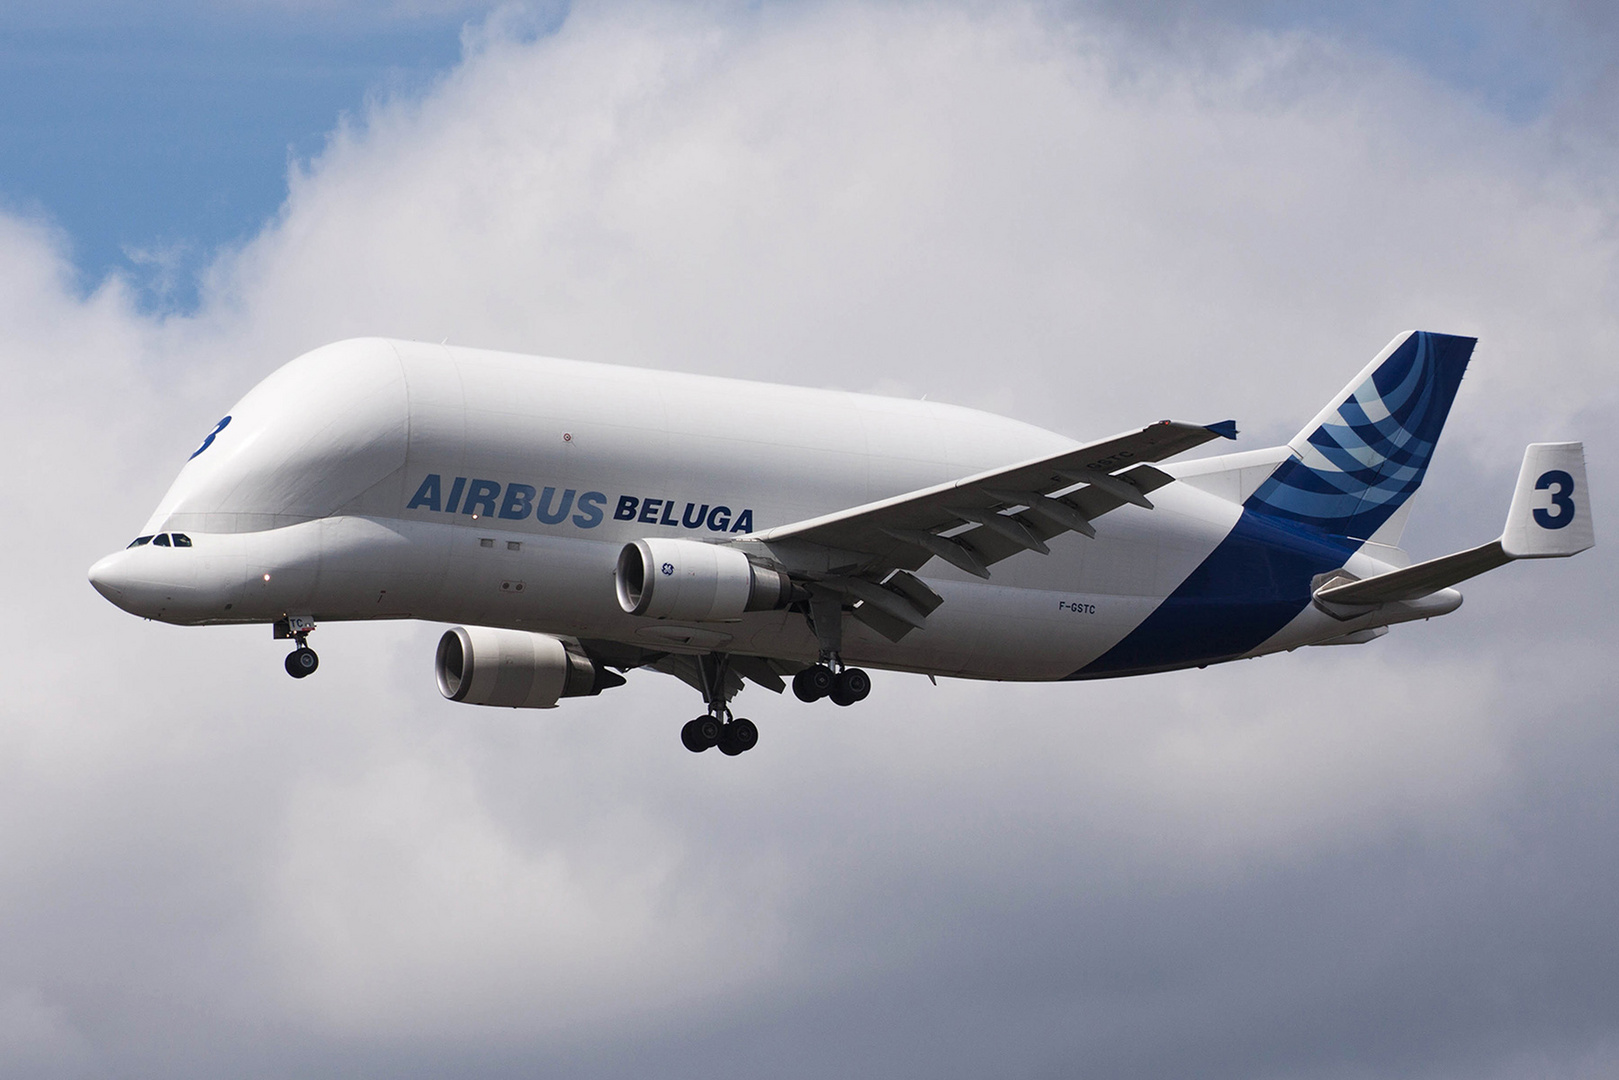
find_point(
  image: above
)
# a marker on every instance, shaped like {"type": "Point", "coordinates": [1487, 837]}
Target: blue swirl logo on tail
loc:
{"type": "Point", "coordinates": [1370, 451]}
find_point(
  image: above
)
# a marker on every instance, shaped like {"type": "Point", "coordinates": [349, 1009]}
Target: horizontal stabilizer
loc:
{"type": "Point", "coordinates": [1419, 580]}
{"type": "Point", "coordinates": [1549, 518]}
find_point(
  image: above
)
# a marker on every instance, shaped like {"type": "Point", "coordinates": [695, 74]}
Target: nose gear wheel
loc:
{"type": "Point", "coordinates": [302, 662]}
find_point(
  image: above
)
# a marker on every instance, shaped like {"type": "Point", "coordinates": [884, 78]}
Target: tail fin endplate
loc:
{"type": "Point", "coordinates": [1368, 450]}
{"type": "Point", "coordinates": [1550, 516]}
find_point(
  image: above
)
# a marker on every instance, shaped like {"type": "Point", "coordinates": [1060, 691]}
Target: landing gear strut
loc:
{"type": "Point", "coordinates": [301, 661]}
{"type": "Point", "coordinates": [829, 678]}
{"type": "Point", "coordinates": [733, 735]}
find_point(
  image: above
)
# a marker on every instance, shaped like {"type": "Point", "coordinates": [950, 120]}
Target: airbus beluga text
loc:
{"type": "Point", "coordinates": [583, 520]}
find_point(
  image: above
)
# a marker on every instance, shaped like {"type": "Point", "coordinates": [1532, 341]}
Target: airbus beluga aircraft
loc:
{"type": "Point", "coordinates": [580, 520]}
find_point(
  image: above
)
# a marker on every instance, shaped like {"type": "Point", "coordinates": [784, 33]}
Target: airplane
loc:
{"type": "Point", "coordinates": [577, 521]}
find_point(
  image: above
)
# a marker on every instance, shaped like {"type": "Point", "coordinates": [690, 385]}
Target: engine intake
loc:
{"type": "Point", "coordinates": [695, 582]}
{"type": "Point", "coordinates": [515, 669]}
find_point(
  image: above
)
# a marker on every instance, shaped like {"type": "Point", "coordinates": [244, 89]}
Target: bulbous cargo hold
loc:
{"type": "Point", "coordinates": [686, 579]}
{"type": "Point", "coordinates": [515, 669]}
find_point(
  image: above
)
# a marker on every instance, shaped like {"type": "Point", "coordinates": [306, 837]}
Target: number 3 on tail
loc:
{"type": "Point", "coordinates": [1562, 499]}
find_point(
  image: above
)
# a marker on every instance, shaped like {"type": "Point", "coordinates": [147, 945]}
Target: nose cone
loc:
{"type": "Point", "coordinates": [110, 576]}
{"type": "Point", "coordinates": [161, 582]}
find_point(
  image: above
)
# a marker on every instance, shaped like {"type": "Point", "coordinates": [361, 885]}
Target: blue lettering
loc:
{"type": "Point", "coordinates": [1561, 499]}
{"type": "Point", "coordinates": [552, 508]}
{"type": "Point", "coordinates": [590, 510]}
{"type": "Point", "coordinates": [481, 498]}
{"type": "Point", "coordinates": [519, 501]}
{"type": "Point", "coordinates": [544, 513]}
{"type": "Point", "coordinates": [427, 495]}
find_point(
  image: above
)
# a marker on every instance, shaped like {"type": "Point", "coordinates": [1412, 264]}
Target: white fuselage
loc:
{"type": "Point", "coordinates": [368, 480]}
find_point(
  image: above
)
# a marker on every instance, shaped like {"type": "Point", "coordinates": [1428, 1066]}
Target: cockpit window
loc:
{"type": "Point", "coordinates": [139, 540]}
{"type": "Point", "coordinates": [181, 539]}
{"type": "Point", "coordinates": [160, 540]}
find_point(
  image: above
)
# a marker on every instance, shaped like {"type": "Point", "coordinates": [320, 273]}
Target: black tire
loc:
{"type": "Point", "coordinates": [850, 685]}
{"type": "Point", "coordinates": [698, 735]}
{"type": "Point", "coordinates": [856, 683]}
{"type": "Point", "coordinates": [301, 663]}
{"type": "Point", "coordinates": [738, 737]}
{"type": "Point", "coordinates": [813, 683]}
{"type": "Point", "coordinates": [802, 690]}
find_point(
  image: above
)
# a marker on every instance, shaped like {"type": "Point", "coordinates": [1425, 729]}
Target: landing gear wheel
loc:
{"type": "Point", "coordinates": [738, 737]}
{"type": "Point", "coordinates": [302, 662]}
{"type": "Point", "coordinates": [699, 734]}
{"type": "Point", "coordinates": [849, 686]}
{"type": "Point", "coordinates": [813, 683]}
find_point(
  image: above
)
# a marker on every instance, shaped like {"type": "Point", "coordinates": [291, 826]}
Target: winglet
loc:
{"type": "Point", "coordinates": [1226, 429]}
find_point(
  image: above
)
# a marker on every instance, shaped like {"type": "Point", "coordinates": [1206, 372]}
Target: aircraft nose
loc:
{"type": "Point", "coordinates": [109, 578]}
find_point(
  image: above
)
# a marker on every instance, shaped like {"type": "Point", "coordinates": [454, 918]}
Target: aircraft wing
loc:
{"type": "Point", "coordinates": [977, 521]}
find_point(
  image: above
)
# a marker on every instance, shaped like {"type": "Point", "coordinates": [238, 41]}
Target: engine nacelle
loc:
{"type": "Point", "coordinates": [515, 669]}
{"type": "Point", "coordinates": [695, 582]}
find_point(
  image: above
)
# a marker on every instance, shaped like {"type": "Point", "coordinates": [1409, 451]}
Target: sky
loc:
{"type": "Point", "coordinates": [1388, 860]}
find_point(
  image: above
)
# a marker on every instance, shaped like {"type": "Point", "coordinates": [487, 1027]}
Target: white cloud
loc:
{"type": "Point", "coordinates": [990, 205]}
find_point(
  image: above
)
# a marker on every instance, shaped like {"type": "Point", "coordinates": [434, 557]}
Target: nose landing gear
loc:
{"type": "Point", "coordinates": [301, 662]}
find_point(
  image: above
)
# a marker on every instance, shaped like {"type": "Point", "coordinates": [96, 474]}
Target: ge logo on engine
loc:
{"type": "Point", "coordinates": [668, 569]}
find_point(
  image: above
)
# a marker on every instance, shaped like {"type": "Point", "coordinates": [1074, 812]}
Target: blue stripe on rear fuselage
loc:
{"type": "Point", "coordinates": [1254, 583]}
{"type": "Point", "coordinates": [1359, 466]}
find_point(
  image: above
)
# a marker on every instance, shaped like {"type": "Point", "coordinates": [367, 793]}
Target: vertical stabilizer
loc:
{"type": "Point", "coordinates": [1358, 462]}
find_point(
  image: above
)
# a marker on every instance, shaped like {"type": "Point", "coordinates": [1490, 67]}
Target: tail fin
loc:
{"type": "Point", "coordinates": [1363, 456]}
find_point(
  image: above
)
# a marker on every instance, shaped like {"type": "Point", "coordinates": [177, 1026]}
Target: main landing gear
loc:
{"type": "Point", "coordinates": [830, 679]}
{"type": "Point", "coordinates": [733, 735]}
{"type": "Point", "coordinates": [736, 735]}
{"type": "Point", "coordinates": [301, 661]}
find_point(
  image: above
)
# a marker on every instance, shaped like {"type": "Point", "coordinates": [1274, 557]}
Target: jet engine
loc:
{"type": "Point", "coordinates": [515, 668]}
{"type": "Point", "coordinates": [696, 582]}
